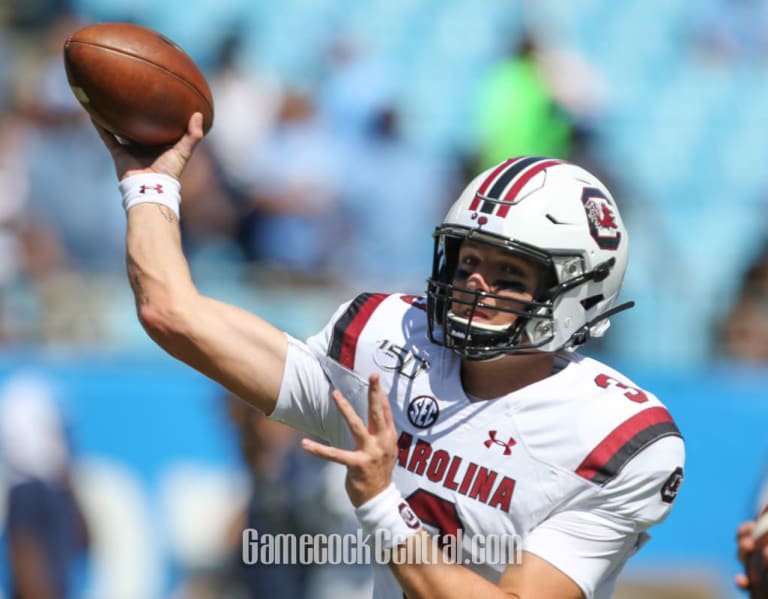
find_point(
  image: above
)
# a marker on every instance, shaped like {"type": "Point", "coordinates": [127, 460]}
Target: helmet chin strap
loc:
{"type": "Point", "coordinates": [486, 334]}
{"type": "Point", "coordinates": [491, 328]}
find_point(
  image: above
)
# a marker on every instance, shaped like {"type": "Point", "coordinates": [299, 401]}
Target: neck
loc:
{"type": "Point", "coordinates": [488, 379]}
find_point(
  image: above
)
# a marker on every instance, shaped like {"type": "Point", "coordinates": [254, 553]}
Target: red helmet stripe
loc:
{"type": "Point", "coordinates": [526, 176]}
{"type": "Point", "coordinates": [490, 179]}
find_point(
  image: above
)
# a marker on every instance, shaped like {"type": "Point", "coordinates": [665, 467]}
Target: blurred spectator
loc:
{"type": "Point", "coordinates": [732, 30]}
{"type": "Point", "coordinates": [743, 333]}
{"type": "Point", "coordinates": [247, 100]}
{"type": "Point", "coordinates": [355, 87]}
{"type": "Point", "coordinates": [36, 15]}
{"type": "Point", "coordinates": [209, 227]}
{"type": "Point", "coordinates": [393, 193]}
{"type": "Point", "coordinates": [287, 484]}
{"type": "Point", "coordinates": [294, 193]}
{"type": "Point", "coordinates": [13, 194]}
{"type": "Point", "coordinates": [576, 87]}
{"type": "Point", "coordinates": [58, 146]}
{"type": "Point", "coordinates": [45, 529]}
{"type": "Point", "coordinates": [517, 111]}
{"type": "Point", "coordinates": [58, 234]}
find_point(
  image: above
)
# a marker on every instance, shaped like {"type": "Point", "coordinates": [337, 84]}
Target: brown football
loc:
{"type": "Point", "coordinates": [136, 83]}
{"type": "Point", "coordinates": [757, 571]}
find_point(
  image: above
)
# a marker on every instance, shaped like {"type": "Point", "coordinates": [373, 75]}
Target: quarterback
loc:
{"type": "Point", "coordinates": [467, 409]}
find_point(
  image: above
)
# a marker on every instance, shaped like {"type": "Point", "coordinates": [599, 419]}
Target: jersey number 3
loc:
{"type": "Point", "coordinates": [631, 393]}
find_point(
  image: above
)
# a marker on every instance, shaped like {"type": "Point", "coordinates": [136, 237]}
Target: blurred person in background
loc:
{"type": "Point", "coordinates": [731, 31]}
{"type": "Point", "coordinates": [13, 194]}
{"type": "Point", "coordinates": [58, 141]}
{"type": "Point", "coordinates": [286, 488]}
{"type": "Point", "coordinates": [742, 335]}
{"type": "Point", "coordinates": [248, 102]}
{"type": "Point", "coordinates": [745, 547]}
{"type": "Point", "coordinates": [382, 241]}
{"type": "Point", "coordinates": [508, 301]}
{"type": "Point", "coordinates": [291, 492]}
{"type": "Point", "coordinates": [355, 86]}
{"type": "Point", "coordinates": [66, 240]}
{"type": "Point", "coordinates": [293, 192]}
{"type": "Point", "coordinates": [517, 110]}
{"type": "Point", "coordinates": [210, 233]}
{"type": "Point", "coordinates": [46, 533]}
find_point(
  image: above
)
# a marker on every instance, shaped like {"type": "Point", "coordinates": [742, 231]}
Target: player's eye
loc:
{"type": "Point", "coordinates": [510, 285]}
{"type": "Point", "coordinates": [461, 274]}
{"type": "Point", "coordinates": [511, 269]}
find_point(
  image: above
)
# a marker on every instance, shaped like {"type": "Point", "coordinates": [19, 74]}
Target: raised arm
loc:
{"type": "Point", "coordinates": [237, 349]}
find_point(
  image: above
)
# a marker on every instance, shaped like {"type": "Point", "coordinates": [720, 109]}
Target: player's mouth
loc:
{"type": "Point", "coordinates": [475, 314]}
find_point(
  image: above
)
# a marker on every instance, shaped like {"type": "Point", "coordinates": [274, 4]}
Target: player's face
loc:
{"type": "Point", "coordinates": [512, 280]}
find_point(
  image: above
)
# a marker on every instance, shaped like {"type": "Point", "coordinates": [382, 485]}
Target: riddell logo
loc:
{"type": "Point", "coordinates": [492, 440]}
{"type": "Point", "coordinates": [158, 189]}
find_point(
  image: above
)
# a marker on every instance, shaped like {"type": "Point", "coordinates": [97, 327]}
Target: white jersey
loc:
{"type": "Point", "coordinates": [579, 465]}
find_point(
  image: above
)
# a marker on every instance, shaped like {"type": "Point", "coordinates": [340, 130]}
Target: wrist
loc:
{"type": "Point", "coordinates": [152, 188]}
{"type": "Point", "coordinates": [388, 518]}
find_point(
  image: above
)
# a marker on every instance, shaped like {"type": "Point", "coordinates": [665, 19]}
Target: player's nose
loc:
{"type": "Point", "coordinates": [477, 282]}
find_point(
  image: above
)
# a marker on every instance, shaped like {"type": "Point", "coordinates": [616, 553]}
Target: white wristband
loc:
{"type": "Point", "coordinates": [389, 518]}
{"type": "Point", "coordinates": [153, 188]}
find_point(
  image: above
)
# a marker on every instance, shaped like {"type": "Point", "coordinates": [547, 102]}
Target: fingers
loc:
{"type": "Point", "coordinates": [741, 581]}
{"type": "Point", "coordinates": [107, 137]}
{"type": "Point", "coordinates": [376, 418]}
{"type": "Point", "coordinates": [745, 542]}
{"type": "Point", "coordinates": [387, 409]}
{"type": "Point", "coordinates": [745, 529]}
{"type": "Point", "coordinates": [333, 454]}
{"type": "Point", "coordinates": [379, 411]}
{"type": "Point", "coordinates": [190, 139]}
{"type": "Point", "coordinates": [195, 125]}
{"type": "Point", "coordinates": [356, 425]}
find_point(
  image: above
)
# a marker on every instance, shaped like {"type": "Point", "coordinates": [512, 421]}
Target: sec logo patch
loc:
{"type": "Point", "coordinates": [423, 411]}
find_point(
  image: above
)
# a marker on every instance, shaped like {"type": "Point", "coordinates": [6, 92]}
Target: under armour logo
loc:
{"type": "Point", "coordinates": [158, 189]}
{"type": "Point", "coordinates": [493, 440]}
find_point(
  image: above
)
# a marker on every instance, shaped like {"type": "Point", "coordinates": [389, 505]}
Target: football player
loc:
{"type": "Point", "coordinates": [462, 414]}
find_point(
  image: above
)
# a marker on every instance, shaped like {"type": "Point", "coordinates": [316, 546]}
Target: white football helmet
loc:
{"type": "Point", "coordinates": [555, 214]}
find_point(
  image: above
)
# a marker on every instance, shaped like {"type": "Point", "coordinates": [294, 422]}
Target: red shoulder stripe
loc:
{"type": "Point", "coordinates": [348, 327]}
{"type": "Point", "coordinates": [624, 442]}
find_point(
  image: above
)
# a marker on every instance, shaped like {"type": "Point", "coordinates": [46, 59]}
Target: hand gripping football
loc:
{"type": "Point", "coordinates": [136, 83]}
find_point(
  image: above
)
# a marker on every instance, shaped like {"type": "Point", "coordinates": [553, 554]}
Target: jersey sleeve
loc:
{"type": "Point", "coordinates": [324, 363]}
{"type": "Point", "coordinates": [590, 540]}
{"type": "Point", "coordinates": [305, 401]}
